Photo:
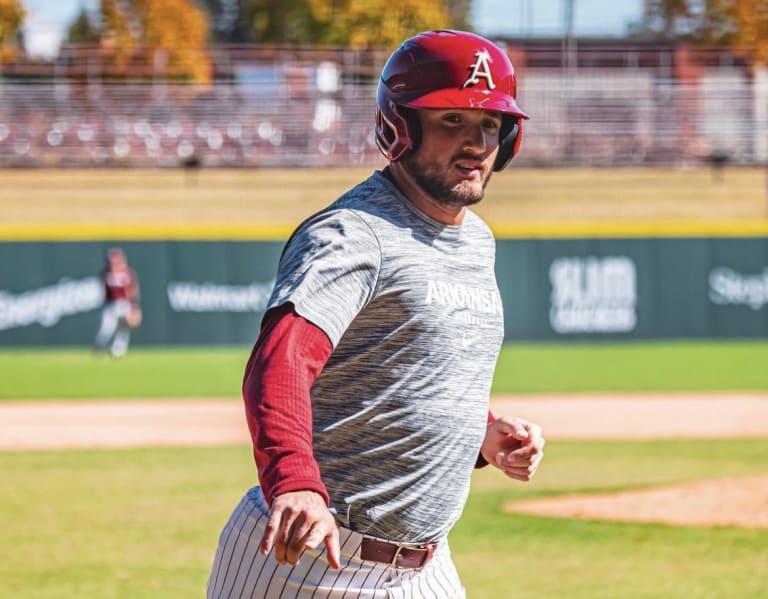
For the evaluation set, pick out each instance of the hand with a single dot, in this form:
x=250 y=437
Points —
x=300 y=520
x=514 y=446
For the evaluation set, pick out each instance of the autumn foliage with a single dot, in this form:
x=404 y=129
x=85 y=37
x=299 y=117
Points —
x=11 y=18
x=172 y=32
x=377 y=22
x=752 y=28
x=742 y=24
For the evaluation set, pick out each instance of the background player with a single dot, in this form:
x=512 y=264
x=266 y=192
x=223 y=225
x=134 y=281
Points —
x=121 y=311
x=367 y=391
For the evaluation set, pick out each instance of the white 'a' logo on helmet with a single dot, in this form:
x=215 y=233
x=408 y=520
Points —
x=480 y=70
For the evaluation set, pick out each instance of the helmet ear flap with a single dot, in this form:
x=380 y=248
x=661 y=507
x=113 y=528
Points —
x=398 y=131
x=411 y=118
x=510 y=136
x=385 y=134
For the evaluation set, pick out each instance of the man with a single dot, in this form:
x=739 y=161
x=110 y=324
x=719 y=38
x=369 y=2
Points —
x=367 y=391
x=121 y=312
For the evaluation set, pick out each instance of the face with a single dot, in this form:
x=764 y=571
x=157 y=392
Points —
x=454 y=160
x=117 y=262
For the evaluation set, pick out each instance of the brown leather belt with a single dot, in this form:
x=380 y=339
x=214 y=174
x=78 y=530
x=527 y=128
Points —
x=397 y=555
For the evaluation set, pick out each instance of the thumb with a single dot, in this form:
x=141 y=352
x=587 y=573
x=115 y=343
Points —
x=514 y=428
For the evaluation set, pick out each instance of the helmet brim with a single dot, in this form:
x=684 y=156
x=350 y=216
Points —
x=475 y=100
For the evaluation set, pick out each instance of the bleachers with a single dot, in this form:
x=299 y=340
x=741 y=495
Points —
x=317 y=109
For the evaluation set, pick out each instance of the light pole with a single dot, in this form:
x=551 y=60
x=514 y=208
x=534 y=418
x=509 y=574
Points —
x=569 y=47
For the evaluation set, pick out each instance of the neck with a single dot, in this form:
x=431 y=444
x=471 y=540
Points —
x=421 y=200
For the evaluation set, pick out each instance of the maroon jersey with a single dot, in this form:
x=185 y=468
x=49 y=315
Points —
x=121 y=284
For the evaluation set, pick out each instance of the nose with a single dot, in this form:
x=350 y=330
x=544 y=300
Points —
x=475 y=139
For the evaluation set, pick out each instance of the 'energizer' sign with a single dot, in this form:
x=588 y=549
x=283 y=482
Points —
x=726 y=286
x=593 y=295
x=45 y=306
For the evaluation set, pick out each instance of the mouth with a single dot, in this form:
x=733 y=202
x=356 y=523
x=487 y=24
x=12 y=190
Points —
x=470 y=169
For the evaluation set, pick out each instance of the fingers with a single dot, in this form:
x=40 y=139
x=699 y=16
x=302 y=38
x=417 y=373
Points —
x=283 y=537
x=521 y=464
x=296 y=541
x=280 y=533
x=522 y=455
x=522 y=472
x=514 y=427
x=270 y=530
x=526 y=452
x=291 y=530
x=319 y=533
x=332 y=548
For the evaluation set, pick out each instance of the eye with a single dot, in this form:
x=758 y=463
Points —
x=452 y=119
x=491 y=124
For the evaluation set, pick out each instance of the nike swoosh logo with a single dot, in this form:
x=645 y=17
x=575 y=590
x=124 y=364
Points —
x=467 y=341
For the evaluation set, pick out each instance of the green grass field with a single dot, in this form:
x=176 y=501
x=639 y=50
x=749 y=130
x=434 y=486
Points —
x=534 y=368
x=144 y=523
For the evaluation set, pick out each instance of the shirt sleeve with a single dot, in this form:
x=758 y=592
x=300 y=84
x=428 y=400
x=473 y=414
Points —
x=329 y=270
x=284 y=363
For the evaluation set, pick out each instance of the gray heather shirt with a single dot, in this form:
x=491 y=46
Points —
x=413 y=311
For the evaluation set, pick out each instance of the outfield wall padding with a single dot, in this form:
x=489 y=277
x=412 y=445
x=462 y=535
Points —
x=214 y=292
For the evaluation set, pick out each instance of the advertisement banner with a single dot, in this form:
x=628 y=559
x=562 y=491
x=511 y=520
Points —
x=215 y=292
x=192 y=292
x=634 y=288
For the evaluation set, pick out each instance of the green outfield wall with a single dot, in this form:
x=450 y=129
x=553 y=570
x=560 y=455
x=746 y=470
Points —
x=213 y=291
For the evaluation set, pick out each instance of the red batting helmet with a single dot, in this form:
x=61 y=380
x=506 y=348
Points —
x=446 y=69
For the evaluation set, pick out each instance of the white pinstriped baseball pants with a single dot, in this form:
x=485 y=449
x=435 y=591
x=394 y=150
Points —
x=241 y=571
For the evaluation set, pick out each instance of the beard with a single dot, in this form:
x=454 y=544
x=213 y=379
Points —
x=429 y=178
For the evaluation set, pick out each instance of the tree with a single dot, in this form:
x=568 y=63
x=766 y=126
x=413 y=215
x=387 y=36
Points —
x=458 y=13
x=289 y=21
x=715 y=23
x=357 y=22
x=742 y=24
x=174 y=31
x=264 y=21
x=116 y=33
x=228 y=20
x=11 y=17
x=752 y=28
x=667 y=17
x=83 y=30
x=376 y=22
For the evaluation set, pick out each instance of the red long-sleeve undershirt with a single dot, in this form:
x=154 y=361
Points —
x=284 y=363
x=287 y=358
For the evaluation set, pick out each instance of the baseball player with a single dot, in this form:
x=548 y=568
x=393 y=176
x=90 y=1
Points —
x=121 y=312
x=367 y=391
